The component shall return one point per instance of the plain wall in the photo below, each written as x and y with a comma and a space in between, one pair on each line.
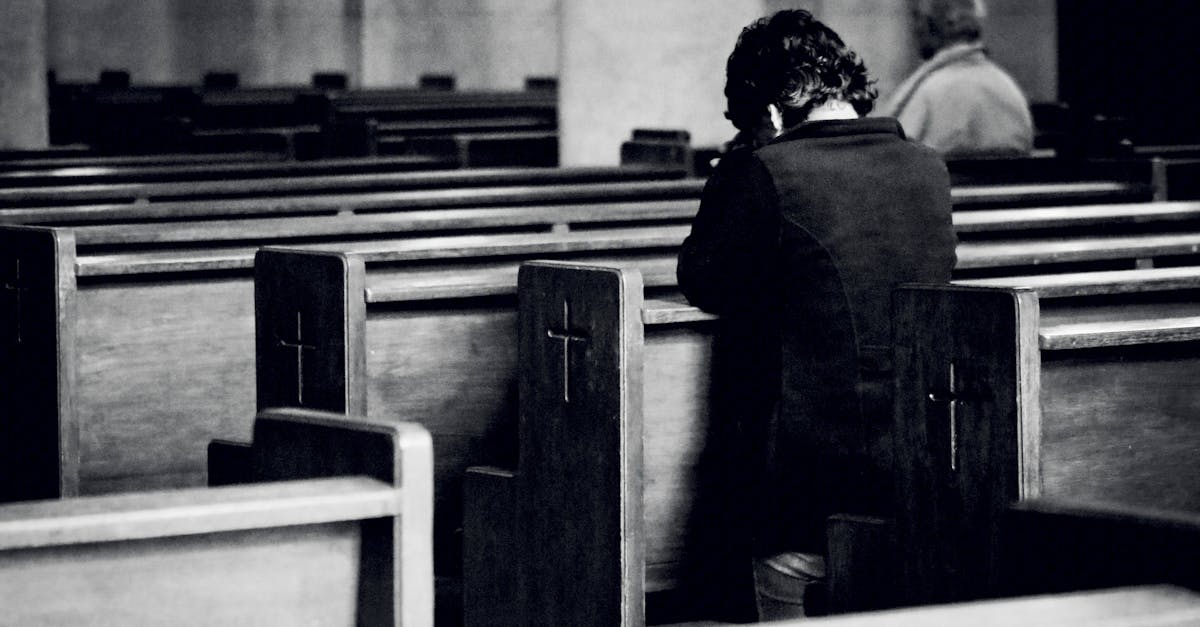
486, 44
23, 112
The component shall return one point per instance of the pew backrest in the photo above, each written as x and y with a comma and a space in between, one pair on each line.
337, 530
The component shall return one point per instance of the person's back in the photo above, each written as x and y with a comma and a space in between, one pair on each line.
798, 244
959, 102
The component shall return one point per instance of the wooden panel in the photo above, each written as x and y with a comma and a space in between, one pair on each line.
290, 575
966, 419
581, 449
1120, 425
492, 582
1163, 606
308, 333
39, 433
346, 183
169, 363
677, 371
397, 562
451, 367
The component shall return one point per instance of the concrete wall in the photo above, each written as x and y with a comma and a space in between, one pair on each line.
177, 41
644, 63
485, 43
1022, 36
660, 63
23, 74
488, 44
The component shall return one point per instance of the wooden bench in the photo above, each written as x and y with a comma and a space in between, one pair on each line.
141, 311
338, 534
92, 343
1079, 396
478, 149
1147, 606
613, 395
200, 170
82, 158
124, 308
326, 185
401, 340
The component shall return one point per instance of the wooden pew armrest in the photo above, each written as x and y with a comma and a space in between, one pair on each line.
157, 514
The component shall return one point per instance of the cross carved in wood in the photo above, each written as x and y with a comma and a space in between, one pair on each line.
13, 285
567, 337
950, 394
297, 344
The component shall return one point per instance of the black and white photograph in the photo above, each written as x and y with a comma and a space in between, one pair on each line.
599, 313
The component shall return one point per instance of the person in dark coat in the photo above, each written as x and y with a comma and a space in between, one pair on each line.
800, 238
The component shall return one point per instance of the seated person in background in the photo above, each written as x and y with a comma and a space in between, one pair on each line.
958, 101
798, 245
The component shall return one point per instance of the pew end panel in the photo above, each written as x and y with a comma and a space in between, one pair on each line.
493, 584
567, 526
39, 432
338, 550
966, 423
580, 394
310, 319
229, 463
298, 443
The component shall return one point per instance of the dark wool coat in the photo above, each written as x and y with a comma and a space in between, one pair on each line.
798, 245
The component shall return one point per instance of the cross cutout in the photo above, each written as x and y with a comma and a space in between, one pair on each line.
950, 396
566, 336
299, 347
14, 285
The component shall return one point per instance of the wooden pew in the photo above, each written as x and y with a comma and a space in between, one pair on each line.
125, 308
478, 149
82, 158
200, 170
252, 198
92, 343
614, 402
1086, 397
466, 307
325, 185
337, 534
549, 193
1145, 606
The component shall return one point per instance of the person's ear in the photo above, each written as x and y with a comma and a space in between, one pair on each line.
776, 116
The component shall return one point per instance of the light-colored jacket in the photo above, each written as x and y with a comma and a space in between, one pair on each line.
962, 104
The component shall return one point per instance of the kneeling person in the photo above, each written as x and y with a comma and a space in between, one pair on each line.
800, 238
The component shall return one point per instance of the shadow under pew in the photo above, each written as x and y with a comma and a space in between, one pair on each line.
337, 534
613, 421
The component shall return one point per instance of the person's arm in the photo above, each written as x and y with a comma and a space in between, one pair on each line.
727, 260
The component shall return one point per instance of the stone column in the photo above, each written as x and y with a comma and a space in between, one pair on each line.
24, 119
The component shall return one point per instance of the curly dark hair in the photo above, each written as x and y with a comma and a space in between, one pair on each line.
795, 62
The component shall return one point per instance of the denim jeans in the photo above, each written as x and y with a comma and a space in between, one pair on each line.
784, 583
